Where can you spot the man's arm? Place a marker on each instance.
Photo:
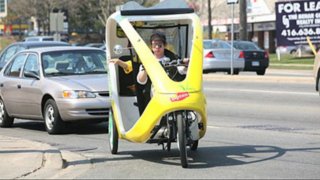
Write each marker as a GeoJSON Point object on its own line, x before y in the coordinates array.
{"type": "Point", "coordinates": [126, 65]}
{"type": "Point", "coordinates": [142, 76]}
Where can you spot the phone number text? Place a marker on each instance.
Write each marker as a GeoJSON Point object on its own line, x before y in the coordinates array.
{"type": "Point", "coordinates": [300, 32]}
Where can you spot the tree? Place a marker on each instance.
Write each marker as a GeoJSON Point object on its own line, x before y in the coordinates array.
{"type": "Point", "coordinates": [243, 20]}
{"type": "Point", "coordinates": [83, 15]}
{"type": "Point", "coordinates": [107, 7]}
{"type": "Point", "coordinates": [18, 14]}
{"type": "Point", "coordinates": [209, 20]}
{"type": "Point", "coordinates": [24, 10]}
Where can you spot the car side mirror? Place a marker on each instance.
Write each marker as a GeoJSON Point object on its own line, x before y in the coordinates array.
{"type": "Point", "coordinates": [31, 74]}
{"type": "Point", "coordinates": [118, 49]}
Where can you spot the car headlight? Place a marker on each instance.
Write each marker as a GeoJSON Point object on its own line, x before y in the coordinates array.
{"type": "Point", "coordinates": [78, 94]}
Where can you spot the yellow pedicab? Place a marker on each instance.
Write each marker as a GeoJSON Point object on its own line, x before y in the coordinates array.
{"type": "Point", "coordinates": [176, 111]}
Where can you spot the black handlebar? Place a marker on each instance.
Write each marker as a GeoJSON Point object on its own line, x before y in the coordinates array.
{"type": "Point", "coordinates": [173, 63]}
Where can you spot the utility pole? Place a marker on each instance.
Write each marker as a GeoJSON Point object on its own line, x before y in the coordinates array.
{"type": "Point", "coordinates": [243, 32]}
{"type": "Point", "coordinates": [209, 20]}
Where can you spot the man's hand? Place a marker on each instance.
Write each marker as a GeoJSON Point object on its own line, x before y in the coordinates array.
{"type": "Point", "coordinates": [114, 61]}
{"type": "Point", "coordinates": [185, 61]}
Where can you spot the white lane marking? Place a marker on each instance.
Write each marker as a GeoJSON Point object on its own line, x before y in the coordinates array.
{"type": "Point", "coordinates": [212, 127]}
{"type": "Point", "coordinates": [262, 91]}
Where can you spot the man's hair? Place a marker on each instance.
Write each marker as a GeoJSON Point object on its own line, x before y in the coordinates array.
{"type": "Point", "coordinates": [158, 36]}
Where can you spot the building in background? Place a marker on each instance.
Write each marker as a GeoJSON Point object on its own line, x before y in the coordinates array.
{"type": "Point", "coordinates": [260, 19]}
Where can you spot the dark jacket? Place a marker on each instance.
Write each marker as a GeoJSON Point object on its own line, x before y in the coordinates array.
{"type": "Point", "coordinates": [144, 91]}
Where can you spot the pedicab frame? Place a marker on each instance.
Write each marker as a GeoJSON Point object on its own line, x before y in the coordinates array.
{"type": "Point", "coordinates": [169, 96]}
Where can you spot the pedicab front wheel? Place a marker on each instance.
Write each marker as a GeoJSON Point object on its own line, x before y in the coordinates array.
{"type": "Point", "coordinates": [182, 140]}
{"type": "Point", "coordinates": [113, 134]}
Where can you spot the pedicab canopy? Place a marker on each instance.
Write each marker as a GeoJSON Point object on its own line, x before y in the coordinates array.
{"type": "Point", "coordinates": [166, 7]}
{"type": "Point", "coordinates": [135, 24]}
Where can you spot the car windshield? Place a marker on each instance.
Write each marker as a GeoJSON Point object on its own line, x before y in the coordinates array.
{"type": "Point", "coordinates": [245, 46]}
{"type": "Point", "coordinates": [74, 62]}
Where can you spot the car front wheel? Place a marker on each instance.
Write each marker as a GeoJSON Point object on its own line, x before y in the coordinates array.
{"type": "Point", "coordinates": [53, 121]}
{"type": "Point", "coordinates": [5, 119]}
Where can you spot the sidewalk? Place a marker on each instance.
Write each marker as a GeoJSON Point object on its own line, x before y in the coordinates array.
{"type": "Point", "coordinates": [24, 159]}
{"type": "Point", "coordinates": [294, 65]}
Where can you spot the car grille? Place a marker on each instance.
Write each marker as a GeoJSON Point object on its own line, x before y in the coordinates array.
{"type": "Point", "coordinates": [103, 93]}
{"type": "Point", "coordinates": [101, 111]}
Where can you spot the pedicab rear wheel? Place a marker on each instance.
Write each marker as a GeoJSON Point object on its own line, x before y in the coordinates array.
{"type": "Point", "coordinates": [113, 134]}
{"type": "Point", "coordinates": [182, 140]}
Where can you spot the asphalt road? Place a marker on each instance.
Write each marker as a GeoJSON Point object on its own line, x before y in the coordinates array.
{"type": "Point", "coordinates": [259, 127]}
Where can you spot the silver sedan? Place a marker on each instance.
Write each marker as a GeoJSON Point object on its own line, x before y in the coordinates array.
{"type": "Point", "coordinates": [217, 57]}
{"type": "Point", "coordinates": [55, 84]}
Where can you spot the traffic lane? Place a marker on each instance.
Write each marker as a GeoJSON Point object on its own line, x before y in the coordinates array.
{"type": "Point", "coordinates": [225, 108]}
{"type": "Point", "coordinates": [232, 105]}
{"type": "Point", "coordinates": [239, 145]}
{"type": "Point", "coordinates": [260, 85]}
{"type": "Point", "coordinates": [222, 150]}
{"type": "Point", "coordinates": [271, 72]}
{"type": "Point", "coordinates": [249, 77]}
{"type": "Point", "coordinates": [223, 153]}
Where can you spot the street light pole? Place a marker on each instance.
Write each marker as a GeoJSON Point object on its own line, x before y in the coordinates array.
{"type": "Point", "coordinates": [232, 2]}
{"type": "Point", "coordinates": [232, 31]}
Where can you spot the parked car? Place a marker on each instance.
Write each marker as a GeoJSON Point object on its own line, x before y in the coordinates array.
{"type": "Point", "coordinates": [55, 84]}
{"type": "Point", "coordinates": [96, 45]}
{"type": "Point", "coordinates": [256, 59]}
{"type": "Point", "coordinates": [63, 38]}
{"type": "Point", "coordinates": [39, 38]}
{"type": "Point", "coordinates": [13, 48]}
{"type": "Point", "coordinates": [217, 57]}
{"type": "Point", "coordinates": [316, 71]}
{"type": "Point", "coordinates": [103, 47]}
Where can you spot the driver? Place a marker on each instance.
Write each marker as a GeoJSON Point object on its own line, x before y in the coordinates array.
{"type": "Point", "coordinates": [158, 43]}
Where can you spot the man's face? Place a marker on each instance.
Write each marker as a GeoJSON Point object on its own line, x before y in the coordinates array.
{"type": "Point", "coordinates": [158, 48]}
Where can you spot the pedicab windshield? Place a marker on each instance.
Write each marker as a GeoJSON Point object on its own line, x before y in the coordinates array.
{"type": "Point", "coordinates": [176, 35]}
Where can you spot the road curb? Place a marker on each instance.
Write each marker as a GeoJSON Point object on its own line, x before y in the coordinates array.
{"type": "Point", "coordinates": [23, 159]}
{"type": "Point", "coordinates": [75, 165]}
{"type": "Point", "coordinates": [61, 164]}
{"type": "Point", "coordinates": [26, 159]}
{"type": "Point", "coordinates": [51, 163]}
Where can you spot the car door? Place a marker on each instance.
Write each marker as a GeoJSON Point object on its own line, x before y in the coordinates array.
{"type": "Point", "coordinates": [10, 85]}
{"type": "Point", "coordinates": [30, 84]}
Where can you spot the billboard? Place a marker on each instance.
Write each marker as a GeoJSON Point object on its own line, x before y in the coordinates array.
{"type": "Point", "coordinates": [295, 20]}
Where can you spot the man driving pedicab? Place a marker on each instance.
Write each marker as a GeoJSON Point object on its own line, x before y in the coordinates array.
{"type": "Point", "coordinates": [158, 45]}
